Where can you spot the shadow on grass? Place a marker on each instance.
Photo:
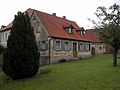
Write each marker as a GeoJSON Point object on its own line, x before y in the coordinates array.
{"type": "Point", "coordinates": [6, 79]}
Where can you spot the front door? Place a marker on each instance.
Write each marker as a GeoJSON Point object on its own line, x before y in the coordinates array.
{"type": "Point", "coordinates": [74, 50]}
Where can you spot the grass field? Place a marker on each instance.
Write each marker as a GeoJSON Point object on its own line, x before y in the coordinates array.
{"type": "Point", "coordinates": [96, 73]}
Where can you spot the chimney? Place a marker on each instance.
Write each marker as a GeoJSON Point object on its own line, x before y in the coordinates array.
{"type": "Point", "coordinates": [64, 17]}
{"type": "Point", "coordinates": [54, 14]}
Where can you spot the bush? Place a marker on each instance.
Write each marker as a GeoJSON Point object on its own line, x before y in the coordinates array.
{"type": "Point", "coordinates": [62, 60]}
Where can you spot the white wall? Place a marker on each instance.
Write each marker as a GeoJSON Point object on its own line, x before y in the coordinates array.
{"type": "Point", "coordinates": [99, 48]}
{"type": "Point", "coordinates": [4, 37]}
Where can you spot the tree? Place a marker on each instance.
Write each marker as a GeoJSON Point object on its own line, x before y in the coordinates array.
{"type": "Point", "coordinates": [2, 48]}
{"type": "Point", "coordinates": [109, 27]}
{"type": "Point", "coordinates": [21, 57]}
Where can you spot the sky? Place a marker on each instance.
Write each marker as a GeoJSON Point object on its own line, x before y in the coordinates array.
{"type": "Point", "coordinates": [75, 10]}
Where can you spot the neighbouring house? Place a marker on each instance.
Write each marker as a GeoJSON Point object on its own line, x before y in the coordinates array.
{"type": "Point", "coordinates": [57, 37]}
{"type": "Point", "coordinates": [97, 46]}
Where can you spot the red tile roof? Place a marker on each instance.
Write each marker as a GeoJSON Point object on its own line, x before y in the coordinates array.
{"type": "Point", "coordinates": [9, 26]}
{"type": "Point", "coordinates": [55, 26]}
{"type": "Point", "coordinates": [92, 36]}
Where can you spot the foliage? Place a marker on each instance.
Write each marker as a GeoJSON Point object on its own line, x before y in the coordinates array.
{"type": "Point", "coordinates": [94, 73]}
{"type": "Point", "coordinates": [1, 49]}
{"type": "Point", "coordinates": [109, 27]}
{"type": "Point", "coordinates": [21, 57]}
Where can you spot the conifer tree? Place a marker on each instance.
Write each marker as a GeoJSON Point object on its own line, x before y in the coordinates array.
{"type": "Point", "coordinates": [21, 57]}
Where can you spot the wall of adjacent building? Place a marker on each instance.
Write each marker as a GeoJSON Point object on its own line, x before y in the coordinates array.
{"type": "Point", "coordinates": [100, 48]}
{"type": "Point", "coordinates": [4, 37]}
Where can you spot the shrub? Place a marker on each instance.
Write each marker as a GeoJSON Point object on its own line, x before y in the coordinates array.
{"type": "Point", "coordinates": [62, 60]}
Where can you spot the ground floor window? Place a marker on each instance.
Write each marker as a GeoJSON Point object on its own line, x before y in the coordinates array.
{"type": "Point", "coordinates": [83, 46]}
{"type": "Point", "coordinates": [66, 45]}
{"type": "Point", "coordinates": [44, 45]}
{"type": "Point", "coordinates": [57, 44]}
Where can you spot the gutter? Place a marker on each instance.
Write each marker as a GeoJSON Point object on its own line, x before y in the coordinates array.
{"type": "Point", "coordinates": [49, 53]}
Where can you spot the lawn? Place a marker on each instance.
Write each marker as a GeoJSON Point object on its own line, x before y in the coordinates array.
{"type": "Point", "coordinates": [96, 73]}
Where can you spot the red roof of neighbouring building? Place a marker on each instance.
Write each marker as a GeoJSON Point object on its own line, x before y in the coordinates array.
{"type": "Point", "coordinates": [55, 26]}
{"type": "Point", "coordinates": [92, 36]}
{"type": "Point", "coordinates": [9, 26]}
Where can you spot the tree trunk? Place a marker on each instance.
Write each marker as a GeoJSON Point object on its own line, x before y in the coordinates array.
{"type": "Point", "coordinates": [114, 57]}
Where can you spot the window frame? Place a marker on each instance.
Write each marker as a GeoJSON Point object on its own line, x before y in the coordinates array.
{"type": "Point", "coordinates": [81, 46]}
{"type": "Point", "coordinates": [43, 46]}
{"type": "Point", "coordinates": [69, 30]}
{"type": "Point", "coordinates": [68, 47]}
{"type": "Point", "coordinates": [55, 46]}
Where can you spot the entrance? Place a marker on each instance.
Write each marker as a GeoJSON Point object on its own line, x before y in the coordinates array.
{"type": "Point", "coordinates": [74, 50]}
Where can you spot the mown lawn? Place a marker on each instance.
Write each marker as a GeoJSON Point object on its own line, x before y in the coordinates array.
{"type": "Point", "coordinates": [96, 73]}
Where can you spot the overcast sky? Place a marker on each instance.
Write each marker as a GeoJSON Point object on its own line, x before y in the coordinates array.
{"type": "Point", "coordinates": [76, 10]}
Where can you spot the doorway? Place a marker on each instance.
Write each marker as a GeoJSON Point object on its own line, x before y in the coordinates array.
{"type": "Point", "coordinates": [74, 50]}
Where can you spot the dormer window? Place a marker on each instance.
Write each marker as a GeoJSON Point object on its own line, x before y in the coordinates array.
{"type": "Point", "coordinates": [68, 28]}
{"type": "Point", "coordinates": [81, 31]}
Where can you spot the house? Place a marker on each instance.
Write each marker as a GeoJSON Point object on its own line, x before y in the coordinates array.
{"type": "Point", "coordinates": [97, 46]}
{"type": "Point", "coordinates": [57, 37]}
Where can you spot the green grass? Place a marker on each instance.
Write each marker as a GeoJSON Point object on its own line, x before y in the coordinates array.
{"type": "Point", "coordinates": [96, 73]}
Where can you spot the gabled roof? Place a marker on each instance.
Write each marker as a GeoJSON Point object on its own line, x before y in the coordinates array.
{"type": "Point", "coordinates": [9, 26]}
{"type": "Point", "coordinates": [92, 36]}
{"type": "Point", "coordinates": [55, 26]}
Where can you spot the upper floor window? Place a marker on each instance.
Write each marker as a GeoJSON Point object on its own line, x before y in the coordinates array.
{"type": "Point", "coordinates": [81, 31]}
{"type": "Point", "coordinates": [34, 18]}
{"type": "Point", "coordinates": [69, 30]}
{"type": "Point", "coordinates": [38, 29]}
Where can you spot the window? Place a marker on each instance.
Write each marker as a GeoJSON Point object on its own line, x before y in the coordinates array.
{"type": "Point", "coordinates": [66, 45]}
{"type": "Point", "coordinates": [100, 48]}
{"type": "Point", "coordinates": [44, 46]}
{"type": "Point", "coordinates": [69, 30]}
{"type": "Point", "coordinates": [57, 44]}
{"type": "Point", "coordinates": [34, 18]}
{"type": "Point", "coordinates": [87, 47]}
{"type": "Point", "coordinates": [38, 29]}
{"type": "Point", "coordinates": [81, 46]}
{"type": "Point", "coordinates": [5, 35]}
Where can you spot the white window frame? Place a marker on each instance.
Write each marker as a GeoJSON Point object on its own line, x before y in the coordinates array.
{"type": "Point", "coordinates": [56, 47]}
{"type": "Point", "coordinates": [66, 47]}
{"type": "Point", "coordinates": [81, 46]}
{"type": "Point", "coordinates": [69, 30]}
{"type": "Point", "coordinates": [3, 37]}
